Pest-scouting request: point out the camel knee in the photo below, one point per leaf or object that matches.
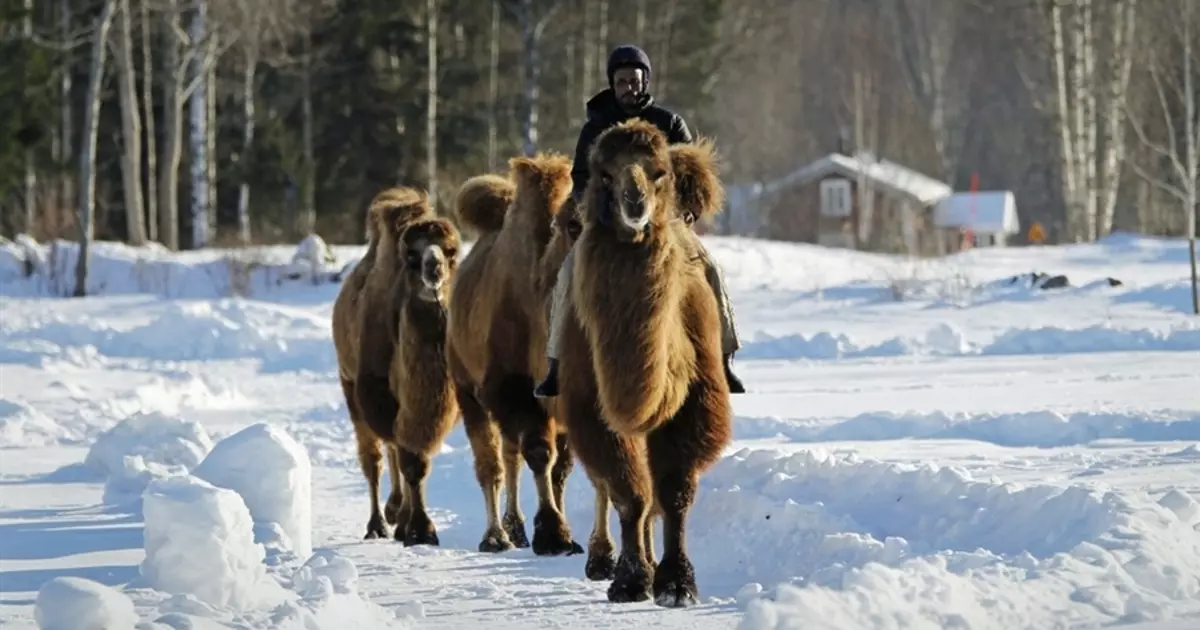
(538, 453)
(414, 466)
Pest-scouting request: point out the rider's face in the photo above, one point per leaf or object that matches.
(629, 84)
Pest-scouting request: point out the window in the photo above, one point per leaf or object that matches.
(835, 197)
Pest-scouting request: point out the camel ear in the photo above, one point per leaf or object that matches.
(698, 188)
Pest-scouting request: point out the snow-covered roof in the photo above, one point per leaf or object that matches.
(991, 211)
(882, 173)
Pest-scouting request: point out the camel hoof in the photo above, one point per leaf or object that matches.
(514, 526)
(675, 583)
(554, 543)
(600, 567)
(629, 588)
(375, 528)
(413, 538)
(494, 543)
(551, 536)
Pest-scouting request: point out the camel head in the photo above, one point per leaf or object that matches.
(392, 210)
(428, 253)
(640, 183)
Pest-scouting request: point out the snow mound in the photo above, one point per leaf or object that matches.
(23, 426)
(946, 340)
(273, 475)
(1034, 428)
(281, 337)
(1099, 338)
(200, 543)
(72, 603)
(145, 447)
(854, 543)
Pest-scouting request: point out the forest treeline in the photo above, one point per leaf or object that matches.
(197, 122)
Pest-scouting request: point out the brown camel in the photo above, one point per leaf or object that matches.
(420, 374)
(644, 394)
(496, 344)
(355, 311)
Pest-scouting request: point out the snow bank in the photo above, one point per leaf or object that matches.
(281, 337)
(1033, 428)
(200, 542)
(273, 475)
(28, 268)
(72, 603)
(23, 426)
(947, 340)
(142, 448)
(854, 543)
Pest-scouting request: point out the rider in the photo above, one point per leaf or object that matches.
(628, 97)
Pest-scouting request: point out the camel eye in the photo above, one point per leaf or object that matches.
(606, 180)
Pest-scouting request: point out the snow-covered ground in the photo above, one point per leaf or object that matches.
(924, 445)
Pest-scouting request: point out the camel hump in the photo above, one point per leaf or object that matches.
(547, 169)
(394, 208)
(483, 201)
(698, 185)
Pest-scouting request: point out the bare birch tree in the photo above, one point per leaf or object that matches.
(534, 16)
(180, 52)
(431, 99)
(1172, 68)
(131, 126)
(87, 153)
(1089, 105)
(30, 164)
(925, 33)
(151, 196)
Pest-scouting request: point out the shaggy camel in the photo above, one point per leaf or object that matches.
(366, 285)
(644, 395)
(420, 374)
(497, 343)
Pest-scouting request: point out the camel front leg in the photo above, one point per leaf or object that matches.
(600, 563)
(514, 520)
(393, 511)
(419, 528)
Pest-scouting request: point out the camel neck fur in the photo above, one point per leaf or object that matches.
(629, 300)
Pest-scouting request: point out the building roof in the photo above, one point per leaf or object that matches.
(991, 211)
(892, 177)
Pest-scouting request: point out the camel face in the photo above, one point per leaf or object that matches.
(429, 255)
(638, 197)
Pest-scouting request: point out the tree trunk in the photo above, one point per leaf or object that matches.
(168, 174)
(248, 115)
(210, 144)
(87, 154)
(1063, 89)
(308, 179)
(431, 99)
(529, 27)
(493, 150)
(65, 113)
(1120, 65)
(151, 133)
(131, 128)
(198, 130)
(30, 162)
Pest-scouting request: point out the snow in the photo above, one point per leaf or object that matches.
(987, 211)
(71, 603)
(200, 542)
(925, 444)
(273, 475)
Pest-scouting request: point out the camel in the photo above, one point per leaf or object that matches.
(644, 395)
(496, 344)
(355, 311)
(420, 374)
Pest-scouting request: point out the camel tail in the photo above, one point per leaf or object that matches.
(394, 208)
(483, 201)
